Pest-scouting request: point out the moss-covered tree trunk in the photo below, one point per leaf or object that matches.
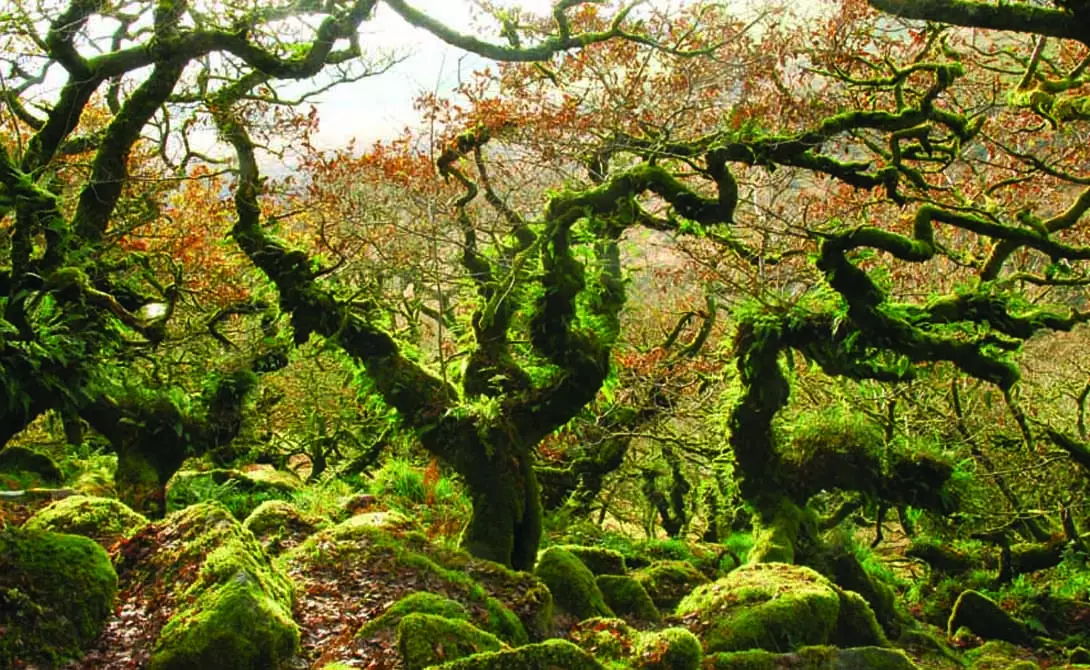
(506, 525)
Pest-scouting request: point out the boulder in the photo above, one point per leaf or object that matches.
(599, 560)
(26, 461)
(627, 598)
(667, 582)
(357, 557)
(279, 526)
(104, 520)
(776, 607)
(429, 639)
(571, 583)
(548, 655)
(987, 619)
(230, 606)
(1000, 655)
(617, 644)
(812, 658)
(419, 602)
(56, 591)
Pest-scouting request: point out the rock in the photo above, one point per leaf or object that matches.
(359, 503)
(496, 599)
(812, 658)
(104, 520)
(1079, 655)
(571, 583)
(856, 624)
(617, 644)
(429, 639)
(984, 617)
(667, 582)
(56, 591)
(16, 459)
(279, 526)
(776, 607)
(1000, 655)
(548, 655)
(599, 560)
(669, 649)
(627, 598)
(231, 606)
(419, 602)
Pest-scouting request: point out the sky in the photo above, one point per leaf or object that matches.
(379, 107)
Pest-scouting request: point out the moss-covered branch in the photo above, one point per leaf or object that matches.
(1021, 17)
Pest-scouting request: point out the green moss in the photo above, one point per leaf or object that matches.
(104, 520)
(772, 606)
(548, 655)
(984, 617)
(856, 625)
(419, 602)
(428, 639)
(236, 613)
(670, 649)
(776, 532)
(599, 560)
(812, 658)
(999, 655)
(279, 526)
(667, 582)
(571, 583)
(627, 597)
(39, 574)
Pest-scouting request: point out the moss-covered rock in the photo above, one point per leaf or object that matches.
(429, 639)
(56, 591)
(771, 606)
(599, 560)
(571, 583)
(987, 619)
(419, 602)
(548, 655)
(812, 658)
(669, 649)
(496, 599)
(231, 607)
(1000, 655)
(279, 526)
(617, 644)
(667, 582)
(856, 625)
(15, 459)
(627, 598)
(104, 520)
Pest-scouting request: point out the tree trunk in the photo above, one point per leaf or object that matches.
(506, 522)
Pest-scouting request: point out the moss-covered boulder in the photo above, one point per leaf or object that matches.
(548, 655)
(279, 526)
(18, 460)
(228, 605)
(776, 607)
(627, 598)
(615, 643)
(104, 520)
(856, 625)
(667, 582)
(599, 560)
(56, 591)
(419, 602)
(669, 649)
(987, 619)
(1000, 655)
(429, 639)
(370, 566)
(571, 583)
(812, 658)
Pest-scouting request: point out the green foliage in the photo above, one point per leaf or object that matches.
(236, 493)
